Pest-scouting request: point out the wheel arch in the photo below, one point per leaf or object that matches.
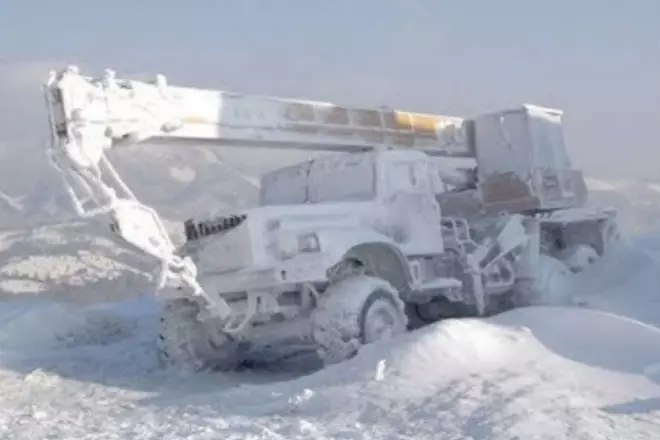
(383, 260)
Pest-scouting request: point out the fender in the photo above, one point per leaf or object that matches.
(379, 253)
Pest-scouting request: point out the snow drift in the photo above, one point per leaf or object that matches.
(81, 366)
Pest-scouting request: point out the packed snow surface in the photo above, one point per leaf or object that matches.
(78, 361)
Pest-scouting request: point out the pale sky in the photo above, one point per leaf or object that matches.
(598, 60)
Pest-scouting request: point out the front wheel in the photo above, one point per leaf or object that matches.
(356, 311)
(187, 342)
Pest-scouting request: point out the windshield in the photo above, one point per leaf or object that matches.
(349, 177)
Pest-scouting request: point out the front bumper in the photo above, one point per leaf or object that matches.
(288, 274)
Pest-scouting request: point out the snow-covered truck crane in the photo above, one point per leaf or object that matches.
(346, 249)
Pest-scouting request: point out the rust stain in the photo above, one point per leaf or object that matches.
(376, 137)
(299, 112)
(460, 204)
(504, 186)
(404, 139)
(507, 192)
(305, 129)
(367, 118)
(334, 115)
(389, 120)
(340, 131)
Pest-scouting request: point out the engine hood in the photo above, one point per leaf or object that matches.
(266, 236)
(309, 215)
(315, 213)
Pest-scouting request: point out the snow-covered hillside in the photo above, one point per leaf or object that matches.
(77, 334)
(637, 200)
(178, 182)
(181, 183)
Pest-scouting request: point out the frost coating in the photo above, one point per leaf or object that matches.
(185, 341)
(578, 257)
(356, 311)
(553, 281)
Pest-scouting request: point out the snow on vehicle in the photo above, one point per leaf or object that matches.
(417, 218)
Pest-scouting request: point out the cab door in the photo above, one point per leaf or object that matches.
(414, 211)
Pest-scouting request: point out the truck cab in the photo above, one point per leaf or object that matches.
(400, 185)
(383, 199)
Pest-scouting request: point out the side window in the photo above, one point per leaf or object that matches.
(346, 178)
(405, 177)
(286, 185)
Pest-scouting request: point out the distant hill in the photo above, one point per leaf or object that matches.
(638, 202)
(182, 182)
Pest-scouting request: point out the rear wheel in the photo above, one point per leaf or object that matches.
(578, 257)
(437, 309)
(356, 311)
(552, 285)
(554, 280)
(611, 234)
(187, 342)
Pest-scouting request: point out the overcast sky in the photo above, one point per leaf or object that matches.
(598, 60)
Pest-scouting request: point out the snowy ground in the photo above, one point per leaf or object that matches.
(77, 364)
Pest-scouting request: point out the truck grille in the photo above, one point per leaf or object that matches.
(195, 230)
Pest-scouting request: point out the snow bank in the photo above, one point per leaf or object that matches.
(594, 338)
(626, 282)
(532, 373)
(32, 326)
(454, 348)
(81, 370)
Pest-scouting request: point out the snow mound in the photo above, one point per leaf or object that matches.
(625, 282)
(542, 372)
(594, 338)
(454, 347)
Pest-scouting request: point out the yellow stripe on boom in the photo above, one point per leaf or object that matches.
(422, 122)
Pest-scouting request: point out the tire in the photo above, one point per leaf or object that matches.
(436, 310)
(186, 342)
(551, 286)
(612, 236)
(578, 257)
(356, 311)
(554, 280)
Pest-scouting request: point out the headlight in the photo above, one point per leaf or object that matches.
(290, 244)
(287, 245)
(309, 243)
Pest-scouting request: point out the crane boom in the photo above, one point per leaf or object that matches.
(138, 110)
(89, 115)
